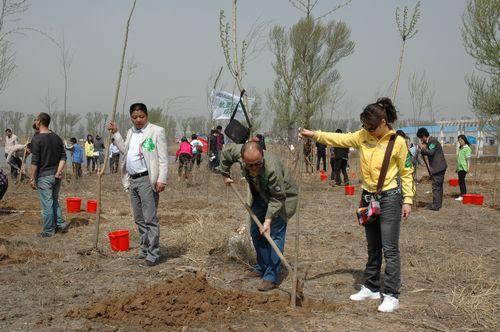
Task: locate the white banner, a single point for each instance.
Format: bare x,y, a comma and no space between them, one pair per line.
223,104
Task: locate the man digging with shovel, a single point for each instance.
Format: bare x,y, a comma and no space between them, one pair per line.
274,199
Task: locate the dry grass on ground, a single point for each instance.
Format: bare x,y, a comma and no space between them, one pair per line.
450,264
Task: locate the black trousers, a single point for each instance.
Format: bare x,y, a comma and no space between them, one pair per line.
382,236
437,189
332,165
461,182
341,166
320,157
14,161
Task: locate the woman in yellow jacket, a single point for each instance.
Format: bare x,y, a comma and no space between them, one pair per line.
89,153
382,234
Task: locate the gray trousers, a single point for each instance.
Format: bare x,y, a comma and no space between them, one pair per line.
382,235
437,189
144,202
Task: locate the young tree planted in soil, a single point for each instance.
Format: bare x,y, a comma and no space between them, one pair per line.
113,115
407,30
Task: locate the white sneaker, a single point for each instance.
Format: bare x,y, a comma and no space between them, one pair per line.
365,294
389,304
459,198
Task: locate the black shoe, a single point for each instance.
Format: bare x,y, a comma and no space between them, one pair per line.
432,208
45,234
147,263
62,230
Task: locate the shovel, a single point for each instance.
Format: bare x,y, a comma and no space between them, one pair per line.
299,296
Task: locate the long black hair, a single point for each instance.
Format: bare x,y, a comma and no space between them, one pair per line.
383,109
464,138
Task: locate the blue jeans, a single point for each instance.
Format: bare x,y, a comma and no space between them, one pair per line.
48,189
268,262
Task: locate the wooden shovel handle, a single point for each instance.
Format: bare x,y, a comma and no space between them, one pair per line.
257,221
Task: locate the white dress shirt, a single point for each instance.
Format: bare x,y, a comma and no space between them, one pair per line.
135,158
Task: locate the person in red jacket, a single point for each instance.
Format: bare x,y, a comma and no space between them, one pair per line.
184,154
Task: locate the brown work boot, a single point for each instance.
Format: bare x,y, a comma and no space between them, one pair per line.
252,274
267,286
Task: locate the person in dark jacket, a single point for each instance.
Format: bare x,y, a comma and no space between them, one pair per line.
431,148
320,155
340,158
47,165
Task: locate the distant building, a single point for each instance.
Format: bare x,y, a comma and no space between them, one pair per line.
448,131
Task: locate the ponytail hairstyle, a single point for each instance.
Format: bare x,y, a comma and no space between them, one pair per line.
383,109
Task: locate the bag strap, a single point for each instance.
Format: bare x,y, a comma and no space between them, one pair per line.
244,110
385,163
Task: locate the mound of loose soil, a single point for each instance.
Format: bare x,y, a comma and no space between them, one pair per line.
190,301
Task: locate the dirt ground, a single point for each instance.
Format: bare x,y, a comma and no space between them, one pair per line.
450,269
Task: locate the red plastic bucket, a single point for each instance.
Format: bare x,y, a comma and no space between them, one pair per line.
453,182
323,176
478,199
468,199
349,190
119,240
73,204
91,205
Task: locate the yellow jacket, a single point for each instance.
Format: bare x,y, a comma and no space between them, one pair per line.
371,153
89,149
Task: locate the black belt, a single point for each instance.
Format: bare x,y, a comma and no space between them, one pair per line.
138,175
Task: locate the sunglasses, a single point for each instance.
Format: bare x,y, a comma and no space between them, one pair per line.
254,165
372,129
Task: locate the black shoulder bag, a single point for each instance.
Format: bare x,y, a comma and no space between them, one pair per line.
235,130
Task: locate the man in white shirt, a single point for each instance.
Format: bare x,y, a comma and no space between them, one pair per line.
11,140
144,170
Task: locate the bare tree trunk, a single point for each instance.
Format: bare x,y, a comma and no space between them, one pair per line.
399,70
106,153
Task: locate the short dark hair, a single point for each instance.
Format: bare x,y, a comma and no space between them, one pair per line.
422,132
73,140
44,119
194,136
338,130
184,139
8,129
249,145
218,127
138,107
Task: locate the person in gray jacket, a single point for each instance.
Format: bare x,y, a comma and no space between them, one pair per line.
431,148
144,169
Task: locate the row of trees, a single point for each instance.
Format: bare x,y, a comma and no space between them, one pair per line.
95,123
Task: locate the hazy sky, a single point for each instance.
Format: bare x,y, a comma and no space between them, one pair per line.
176,44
